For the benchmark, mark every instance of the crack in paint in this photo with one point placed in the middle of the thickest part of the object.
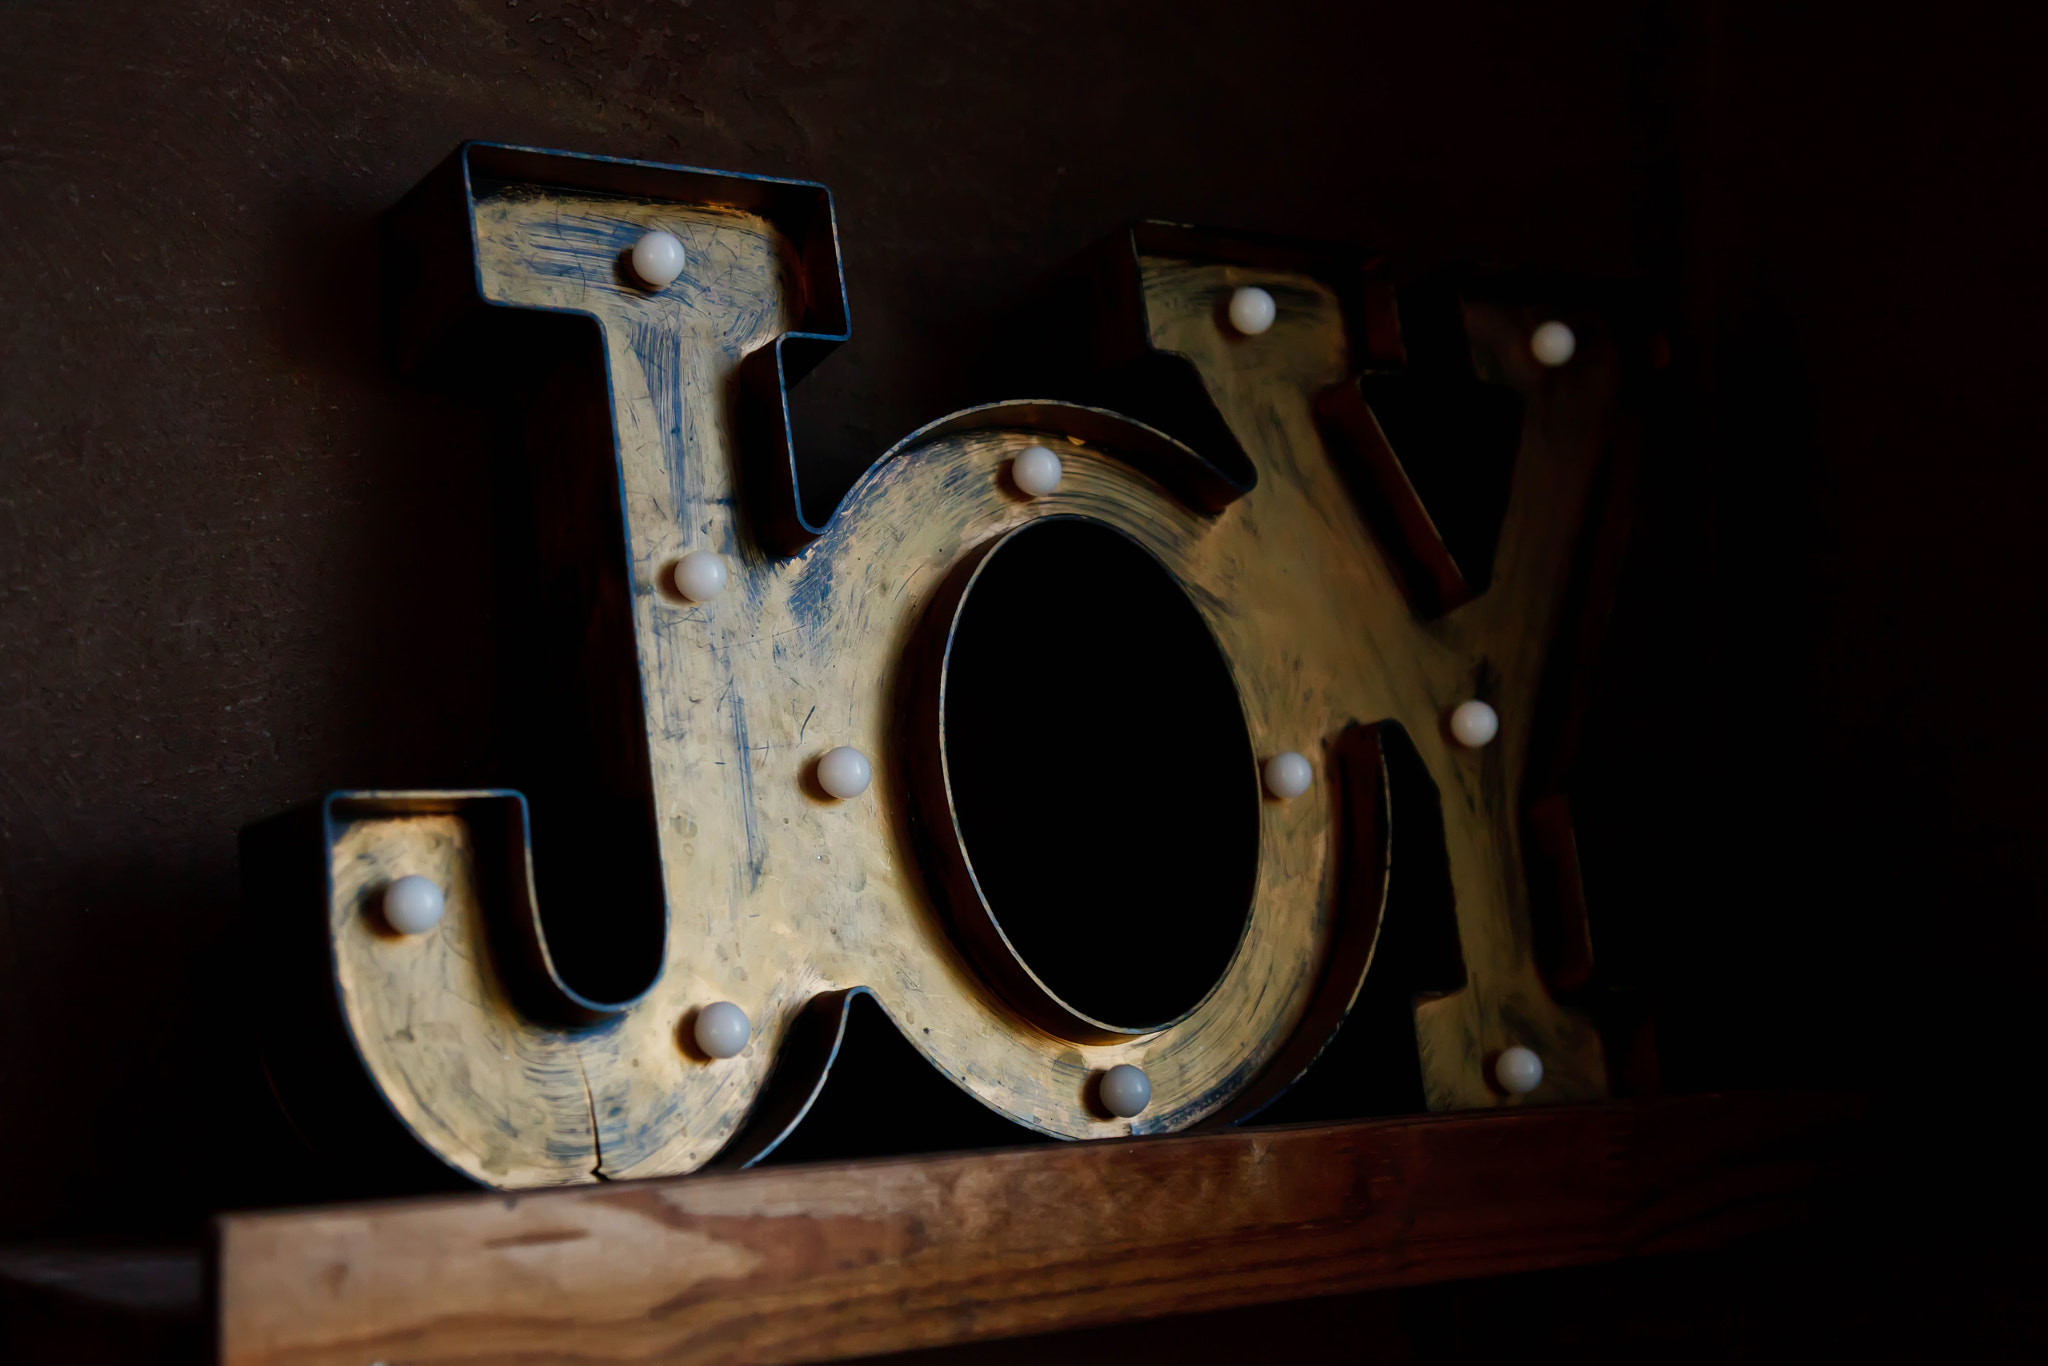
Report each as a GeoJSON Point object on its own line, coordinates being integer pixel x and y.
{"type": "Point", "coordinates": [590, 1100]}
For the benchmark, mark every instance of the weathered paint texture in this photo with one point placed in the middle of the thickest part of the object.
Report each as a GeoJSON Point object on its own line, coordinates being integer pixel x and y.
{"type": "Point", "coordinates": [776, 894]}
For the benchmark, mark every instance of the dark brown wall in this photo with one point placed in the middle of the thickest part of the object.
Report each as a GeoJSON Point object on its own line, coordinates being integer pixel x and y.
{"type": "Point", "coordinates": [241, 564]}
{"type": "Point", "coordinates": [244, 564]}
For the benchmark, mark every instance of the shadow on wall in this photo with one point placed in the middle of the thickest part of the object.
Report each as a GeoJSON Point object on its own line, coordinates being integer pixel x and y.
{"type": "Point", "coordinates": [134, 1060]}
{"type": "Point", "coordinates": [357, 600]}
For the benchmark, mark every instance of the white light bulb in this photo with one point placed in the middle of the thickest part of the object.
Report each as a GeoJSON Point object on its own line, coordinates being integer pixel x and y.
{"type": "Point", "coordinates": [701, 575]}
{"type": "Point", "coordinates": [1288, 775]}
{"type": "Point", "coordinates": [1252, 310]}
{"type": "Point", "coordinates": [413, 904]}
{"type": "Point", "coordinates": [658, 258]}
{"type": "Point", "coordinates": [845, 772]}
{"type": "Point", "coordinates": [1474, 724]}
{"type": "Point", "coordinates": [722, 1029]}
{"type": "Point", "coordinates": [1125, 1090]}
{"type": "Point", "coordinates": [1036, 470]}
{"type": "Point", "coordinates": [1518, 1070]}
{"type": "Point", "coordinates": [1553, 344]}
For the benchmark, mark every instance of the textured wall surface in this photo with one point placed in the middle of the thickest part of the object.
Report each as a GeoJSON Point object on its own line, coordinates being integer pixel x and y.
{"type": "Point", "coordinates": [244, 564]}
{"type": "Point", "coordinates": [240, 563]}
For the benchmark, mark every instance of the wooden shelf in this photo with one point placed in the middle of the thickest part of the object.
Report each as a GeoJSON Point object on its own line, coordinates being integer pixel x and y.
{"type": "Point", "coordinates": [812, 1263]}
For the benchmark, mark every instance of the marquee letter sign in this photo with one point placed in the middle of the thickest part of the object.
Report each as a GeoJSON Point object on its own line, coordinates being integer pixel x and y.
{"type": "Point", "coordinates": [1062, 736]}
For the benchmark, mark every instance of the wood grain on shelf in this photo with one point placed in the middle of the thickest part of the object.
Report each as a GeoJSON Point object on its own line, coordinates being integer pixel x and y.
{"type": "Point", "coordinates": [812, 1263]}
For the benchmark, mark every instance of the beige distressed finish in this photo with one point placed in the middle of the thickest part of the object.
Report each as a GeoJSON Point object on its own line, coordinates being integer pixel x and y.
{"type": "Point", "coordinates": [776, 894]}
{"type": "Point", "coordinates": [1414, 671]}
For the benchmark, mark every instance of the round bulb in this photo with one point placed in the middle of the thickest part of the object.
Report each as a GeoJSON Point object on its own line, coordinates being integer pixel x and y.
{"type": "Point", "coordinates": [1553, 343]}
{"type": "Point", "coordinates": [1125, 1090]}
{"type": "Point", "coordinates": [413, 904]}
{"type": "Point", "coordinates": [1252, 310]}
{"type": "Point", "coordinates": [1474, 724]}
{"type": "Point", "coordinates": [722, 1029]}
{"type": "Point", "coordinates": [1518, 1070]}
{"type": "Point", "coordinates": [1288, 775]}
{"type": "Point", "coordinates": [1036, 470]}
{"type": "Point", "coordinates": [845, 772]}
{"type": "Point", "coordinates": [701, 575]}
{"type": "Point", "coordinates": [658, 258]}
